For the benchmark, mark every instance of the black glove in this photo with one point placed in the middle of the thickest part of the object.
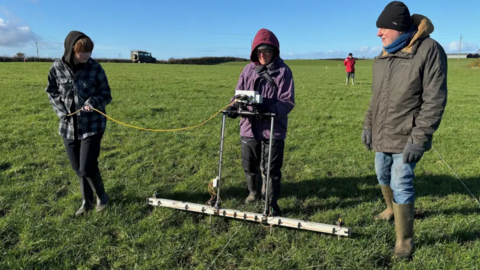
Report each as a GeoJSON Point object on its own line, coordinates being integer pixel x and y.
{"type": "Point", "coordinates": [264, 113]}
{"type": "Point", "coordinates": [261, 115]}
{"type": "Point", "coordinates": [367, 138]}
{"type": "Point", "coordinates": [232, 112]}
{"type": "Point", "coordinates": [412, 153]}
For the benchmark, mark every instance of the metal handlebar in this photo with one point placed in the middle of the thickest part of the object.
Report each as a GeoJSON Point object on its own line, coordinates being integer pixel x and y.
{"type": "Point", "coordinates": [251, 113]}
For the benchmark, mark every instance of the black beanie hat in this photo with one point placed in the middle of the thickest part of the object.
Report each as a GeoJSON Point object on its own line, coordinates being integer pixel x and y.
{"type": "Point", "coordinates": [395, 16]}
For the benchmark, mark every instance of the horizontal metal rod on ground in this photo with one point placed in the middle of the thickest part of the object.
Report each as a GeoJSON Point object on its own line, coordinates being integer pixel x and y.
{"type": "Point", "coordinates": [255, 217]}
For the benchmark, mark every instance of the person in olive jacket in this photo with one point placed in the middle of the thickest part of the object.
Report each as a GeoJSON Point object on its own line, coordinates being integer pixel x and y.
{"type": "Point", "coordinates": [409, 94]}
{"type": "Point", "coordinates": [78, 82]}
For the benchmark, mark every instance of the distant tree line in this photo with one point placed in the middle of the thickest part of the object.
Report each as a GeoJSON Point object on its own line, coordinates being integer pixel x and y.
{"type": "Point", "coordinates": [204, 60]}
{"type": "Point", "coordinates": [20, 57]}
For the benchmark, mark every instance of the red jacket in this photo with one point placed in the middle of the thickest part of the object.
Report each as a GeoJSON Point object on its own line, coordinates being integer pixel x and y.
{"type": "Point", "coordinates": [349, 64]}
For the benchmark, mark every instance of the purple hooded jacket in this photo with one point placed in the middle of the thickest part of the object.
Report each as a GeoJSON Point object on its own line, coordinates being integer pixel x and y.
{"type": "Point", "coordinates": [278, 98]}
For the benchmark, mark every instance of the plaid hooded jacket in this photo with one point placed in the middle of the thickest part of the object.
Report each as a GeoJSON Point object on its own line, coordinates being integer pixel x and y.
{"type": "Point", "coordinates": [68, 92]}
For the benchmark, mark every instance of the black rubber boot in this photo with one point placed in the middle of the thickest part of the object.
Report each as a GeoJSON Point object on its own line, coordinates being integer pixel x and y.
{"type": "Point", "coordinates": [87, 196]}
{"type": "Point", "coordinates": [273, 195]}
{"type": "Point", "coordinates": [276, 211]}
{"type": "Point", "coordinates": [252, 188]}
{"type": "Point", "coordinates": [96, 183]}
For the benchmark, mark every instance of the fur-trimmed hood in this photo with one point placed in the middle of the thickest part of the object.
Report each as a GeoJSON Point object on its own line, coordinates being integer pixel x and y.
{"type": "Point", "coordinates": [425, 28]}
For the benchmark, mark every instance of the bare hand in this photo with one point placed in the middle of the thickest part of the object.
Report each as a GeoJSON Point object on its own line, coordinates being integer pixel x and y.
{"type": "Point", "coordinates": [87, 108]}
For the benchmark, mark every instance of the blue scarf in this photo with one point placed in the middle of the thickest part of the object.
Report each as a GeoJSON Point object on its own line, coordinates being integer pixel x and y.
{"type": "Point", "coordinates": [401, 41]}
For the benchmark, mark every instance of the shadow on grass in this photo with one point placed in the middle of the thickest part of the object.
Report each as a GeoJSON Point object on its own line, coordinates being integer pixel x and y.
{"type": "Point", "coordinates": [449, 212]}
{"type": "Point", "coordinates": [5, 166]}
{"type": "Point", "coordinates": [355, 191]}
{"type": "Point", "coordinates": [443, 185]}
{"type": "Point", "coordinates": [359, 190]}
{"type": "Point", "coordinates": [346, 193]}
{"type": "Point", "coordinates": [9, 238]}
{"type": "Point", "coordinates": [4, 211]}
{"type": "Point", "coordinates": [462, 236]}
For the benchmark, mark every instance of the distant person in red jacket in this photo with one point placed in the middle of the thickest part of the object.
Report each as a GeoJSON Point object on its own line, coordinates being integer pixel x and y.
{"type": "Point", "coordinates": [350, 68]}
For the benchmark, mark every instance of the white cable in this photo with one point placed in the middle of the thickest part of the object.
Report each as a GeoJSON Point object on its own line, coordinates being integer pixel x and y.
{"type": "Point", "coordinates": [225, 246]}
{"type": "Point", "coordinates": [456, 175]}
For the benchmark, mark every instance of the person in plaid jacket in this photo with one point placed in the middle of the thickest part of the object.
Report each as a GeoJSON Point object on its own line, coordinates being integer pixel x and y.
{"type": "Point", "coordinates": [77, 82]}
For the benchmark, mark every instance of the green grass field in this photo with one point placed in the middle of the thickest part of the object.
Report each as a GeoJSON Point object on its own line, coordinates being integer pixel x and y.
{"type": "Point", "coordinates": [328, 175]}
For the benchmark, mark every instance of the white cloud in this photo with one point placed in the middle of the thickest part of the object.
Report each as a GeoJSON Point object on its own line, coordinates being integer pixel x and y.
{"type": "Point", "coordinates": [375, 50]}
{"type": "Point", "coordinates": [364, 49]}
{"type": "Point", "coordinates": [14, 32]}
{"type": "Point", "coordinates": [466, 47]}
{"type": "Point", "coordinates": [24, 28]}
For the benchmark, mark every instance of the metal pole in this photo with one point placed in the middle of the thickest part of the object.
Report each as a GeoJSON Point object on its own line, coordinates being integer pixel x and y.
{"type": "Point", "coordinates": [38, 56]}
{"type": "Point", "coordinates": [222, 136]}
{"type": "Point", "coordinates": [459, 48]}
{"type": "Point", "coordinates": [267, 186]}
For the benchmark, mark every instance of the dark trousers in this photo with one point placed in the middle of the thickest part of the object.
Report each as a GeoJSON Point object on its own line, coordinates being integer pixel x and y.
{"type": "Point", "coordinates": [83, 156]}
{"type": "Point", "coordinates": [255, 162]}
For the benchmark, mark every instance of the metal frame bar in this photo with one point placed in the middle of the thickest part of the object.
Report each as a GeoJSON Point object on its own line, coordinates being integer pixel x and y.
{"type": "Point", "coordinates": [269, 181]}
{"type": "Point", "coordinates": [222, 139]}
{"type": "Point", "coordinates": [250, 216]}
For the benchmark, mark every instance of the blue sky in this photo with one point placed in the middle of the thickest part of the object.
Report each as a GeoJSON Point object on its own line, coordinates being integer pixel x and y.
{"type": "Point", "coordinates": [180, 29]}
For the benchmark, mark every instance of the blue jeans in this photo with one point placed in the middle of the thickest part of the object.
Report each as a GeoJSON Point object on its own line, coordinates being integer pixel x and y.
{"type": "Point", "coordinates": [391, 171]}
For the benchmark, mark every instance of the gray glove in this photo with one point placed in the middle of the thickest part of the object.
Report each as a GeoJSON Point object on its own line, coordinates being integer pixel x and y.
{"type": "Point", "coordinates": [412, 153]}
{"type": "Point", "coordinates": [367, 138]}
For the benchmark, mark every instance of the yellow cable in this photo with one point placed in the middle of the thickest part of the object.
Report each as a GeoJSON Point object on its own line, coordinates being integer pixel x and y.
{"type": "Point", "coordinates": [159, 130]}
{"type": "Point", "coordinates": [210, 188]}
{"type": "Point", "coordinates": [211, 191]}
{"type": "Point", "coordinates": [74, 113]}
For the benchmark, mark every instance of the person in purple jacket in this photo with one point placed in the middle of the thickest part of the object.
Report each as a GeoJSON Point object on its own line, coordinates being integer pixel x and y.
{"type": "Point", "coordinates": [273, 79]}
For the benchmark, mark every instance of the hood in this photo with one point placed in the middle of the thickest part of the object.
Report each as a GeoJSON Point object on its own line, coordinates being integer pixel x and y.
{"type": "Point", "coordinates": [265, 36]}
{"type": "Point", "coordinates": [425, 28]}
{"type": "Point", "coordinates": [70, 40]}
